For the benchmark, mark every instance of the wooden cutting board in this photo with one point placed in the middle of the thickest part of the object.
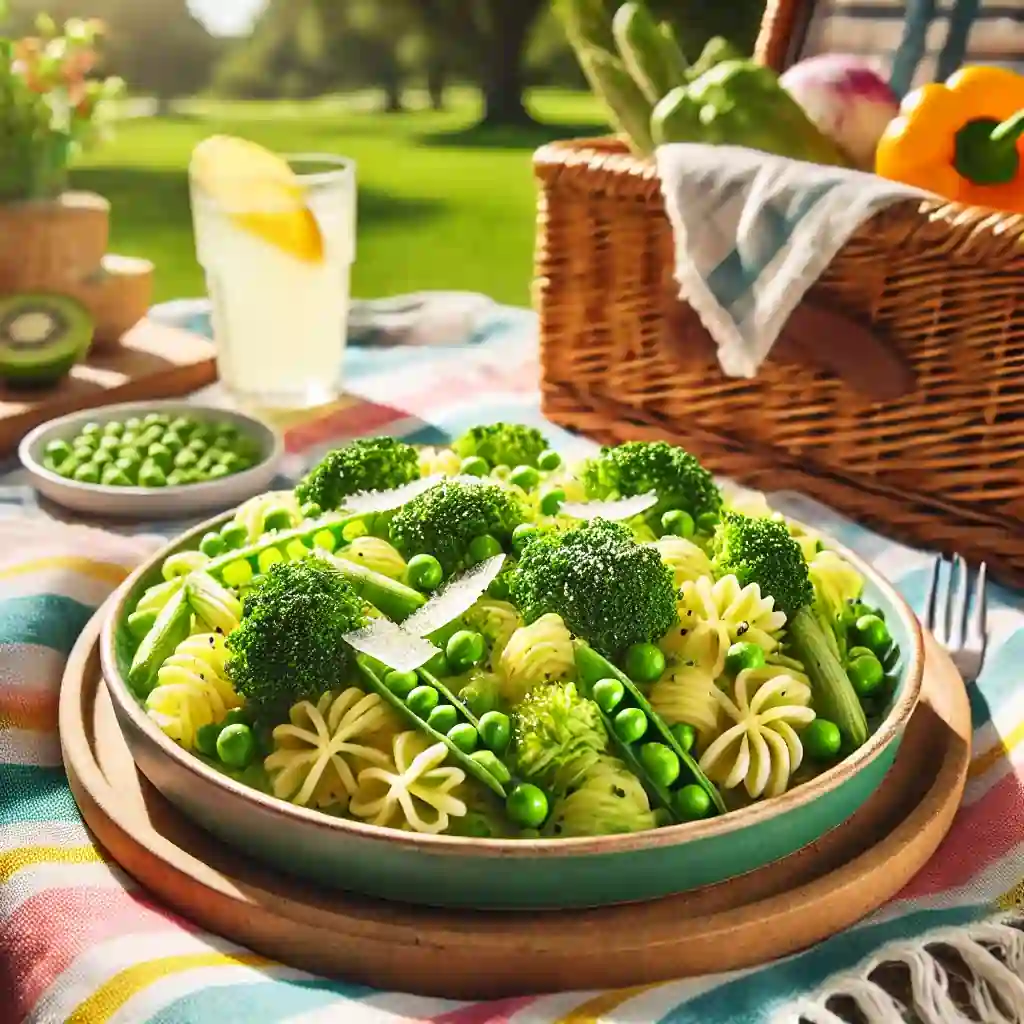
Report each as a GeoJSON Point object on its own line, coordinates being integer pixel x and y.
{"type": "Point", "coordinates": [768, 913]}
{"type": "Point", "coordinates": [152, 361]}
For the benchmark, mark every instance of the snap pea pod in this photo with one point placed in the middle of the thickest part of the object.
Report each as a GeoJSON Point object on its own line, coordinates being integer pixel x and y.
{"type": "Point", "coordinates": [171, 627]}
{"type": "Point", "coordinates": [396, 600]}
{"type": "Point", "coordinates": [467, 762]}
{"type": "Point", "coordinates": [592, 668]}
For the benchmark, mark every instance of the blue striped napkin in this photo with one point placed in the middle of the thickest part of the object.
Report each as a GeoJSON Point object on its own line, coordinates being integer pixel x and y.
{"type": "Point", "coordinates": [753, 232]}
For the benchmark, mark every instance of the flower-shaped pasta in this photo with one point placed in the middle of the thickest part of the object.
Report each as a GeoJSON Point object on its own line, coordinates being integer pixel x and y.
{"type": "Point", "coordinates": [688, 693]}
{"type": "Point", "coordinates": [439, 460]}
{"type": "Point", "coordinates": [404, 791]}
{"type": "Point", "coordinates": [192, 688]}
{"type": "Point", "coordinates": [687, 561]}
{"type": "Point", "coordinates": [541, 652]}
{"type": "Point", "coordinates": [761, 749]}
{"type": "Point", "coordinates": [714, 615]}
{"type": "Point", "coordinates": [376, 554]}
{"type": "Point", "coordinates": [312, 752]}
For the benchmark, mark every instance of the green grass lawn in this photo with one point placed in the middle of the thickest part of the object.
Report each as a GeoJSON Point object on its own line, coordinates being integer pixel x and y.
{"type": "Point", "coordinates": [441, 205]}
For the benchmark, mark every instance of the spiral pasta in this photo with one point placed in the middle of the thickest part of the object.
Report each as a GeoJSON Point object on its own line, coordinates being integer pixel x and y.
{"type": "Point", "coordinates": [182, 563]}
{"type": "Point", "coordinates": [439, 460]}
{"type": "Point", "coordinates": [714, 615]}
{"type": "Point", "coordinates": [835, 581]}
{"type": "Point", "coordinates": [314, 752]}
{"type": "Point", "coordinates": [376, 554]}
{"type": "Point", "coordinates": [497, 621]}
{"type": "Point", "coordinates": [687, 561]}
{"type": "Point", "coordinates": [413, 790]}
{"type": "Point", "coordinates": [688, 693]}
{"type": "Point", "coordinates": [609, 800]}
{"type": "Point", "coordinates": [252, 513]}
{"type": "Point", "coordinates": [760, 749]}
{"type": "Point", "coordinates": [539, 653]}
{"type": "Point", "coordinates": [192, 688]}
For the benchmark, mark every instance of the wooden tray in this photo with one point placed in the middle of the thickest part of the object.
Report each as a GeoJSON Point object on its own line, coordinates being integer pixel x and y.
{"type": "Point", "coordinates": [771, 912]}
{"type": "Point", "coordinates": [152, 361]}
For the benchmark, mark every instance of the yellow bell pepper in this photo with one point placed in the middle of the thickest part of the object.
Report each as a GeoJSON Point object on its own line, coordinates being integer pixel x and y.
{"type": "Point", "coordinates": [963, 140]}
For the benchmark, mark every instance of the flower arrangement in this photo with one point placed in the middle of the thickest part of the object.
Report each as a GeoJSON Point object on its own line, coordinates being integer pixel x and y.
{"type": "Point", "coordinates": [50, 105]}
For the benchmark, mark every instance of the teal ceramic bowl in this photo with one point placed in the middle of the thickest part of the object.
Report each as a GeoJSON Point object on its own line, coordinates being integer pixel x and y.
{"type": "Point", "coordinates": [451, 871]}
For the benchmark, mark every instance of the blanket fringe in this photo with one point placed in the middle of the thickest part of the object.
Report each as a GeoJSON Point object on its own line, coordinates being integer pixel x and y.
{"type": "Point", "coordinates": [970, 975]}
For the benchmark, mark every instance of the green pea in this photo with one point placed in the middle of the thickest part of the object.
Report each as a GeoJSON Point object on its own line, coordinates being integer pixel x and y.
{"type": "Point", "coordinates": [608, 694]}
{"type": "Point", "coordinates": [464, 650]}
{"type": "Point", "coordinates": [182, 426]}
{"type": "Point", "coordinates": [128, 439]}
{"type": "Point", "coordinates": [69, 466]}
{"type": "Point", "coordinates": [549, 460]}
{"type": "Point", "coordinates": [278, 517]}
{"type": "Point", "coordinates": [109, 443]}
{"type": "Point", "coordinates": [206, 738]}
{"type": "Point", "coordinates": [296, 550]}
{"type": "Point", "coordinates": [401, 684]}
{"type": "Point", "coordinates": [527, 805]}
{"type": "Point", "coordinates": [212, 544]}
{"type": "Point", "coordinates": [525, 476]}
{"type": "Point", "coordinates": [661, 763]}
{"type": "Point", "coordinates": [151, 475]}
{"type": "Point", "coordinates": [237, 574]}
{"type": "Point", "coordinates": [866, 674]}
{"type": "Point", "coordinates": [218, 472]}
{"type": "Point", "coordinates": [58, 450]}
{"type": "Point", "coordinates": [522, 535]}
{"type": "Point", "coordinates": [91, 430]}
{"type": "Point", "coordinates": [424, 572]}
{"type": "Point", "coordinates": [354, 530]}
{"type": "Point", "coordinates": [443, 718]}
{"type": "Point", "coordinates": [551, 501]}
{"type": "Point", "coordinates": [498, 588]}
{"type": "Point", "coordinates": [129, 468]}
{"type": "Point", "coordinates": [185, 459]}
{"type": "Point", "coordinates": [495, 731]}
{"type": "Point", "coordinates": [234, 535]}
{"type": "Point", "coordinates": [114, 477]}
{"type": "Point", "coordinates": [707, 522]}
{"type": "Point", "coordinates": [232, 463]}
{"type": "Point", "coordinates": [858, 652]}
{"type": "Point", "coordinates": [87, 442]}
{"type": "Point", "coordinates": [113, 428]}
{"type": "Point", "coordinates": [873, 633]}
{"type": "Point", "coordinates": [678, 523]}
{"type": "Point", "coordinates": [742, 656]}
{"type": "Point", "coordinates": [438, 666]}
{"type": "Point", "coordinates": [474, 466]}
{"type": "Point", "coordinates": [311, 510]}
{"type": "Point", "coordinates": [132, 455]}
{"type": "Point", "coordinates": [630, 724]}
{"type": "Point", "coordinates": [422, 700]}
{"type": "Point", "coordinates": [161, 455]}
{"type": "Point", "coordinates": [822, 740]}
{"type": "Point", "coordinates": [644, 663]}
{"type": "Point", "coordinates": [483, 547]}
{"type": "Point", "coordinates": [464, 736]}
{"type": "Point", "coordinates": [155, 419]}
{"type": "Point", "coordinates": [489, 761]}
{"type": "Point", "coordinates": [685, 735]}
{"type": "Point", "coordinates": [87, 474]}
{"type": "Point", "coordinates": [102, 458]}
{"type": "Point", "coordinates": [501, 472]}
{"type": "Point", "coordinates": [132, 424]}
{"type": "Point", "coordinates": [692, 803]}
{"type": "Point", "coordinates": [172, 442]}
{"type": "Point", "coordinates": [197, 445]}
{"type": "Point", "coordinates": [236, 745]}
{"type": "Point", "coordinates": [324, 540]}
{"type": "Point", "coordinates": [227, 433]}
{"type": "Point", "coordinates": [267, 558]}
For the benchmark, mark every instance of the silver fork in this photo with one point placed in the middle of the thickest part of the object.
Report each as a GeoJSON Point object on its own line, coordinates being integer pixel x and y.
{"type": "Point", "coordinates": [957, 620]}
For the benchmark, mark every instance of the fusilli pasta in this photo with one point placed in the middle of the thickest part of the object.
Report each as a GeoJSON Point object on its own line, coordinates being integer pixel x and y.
{"type": "Point", "coordinates": [688, 693]}
{"type": "Point", "coordinates": [835, 581]}
{"type": "Point", "coordinates": [687, 561]}
{"type": "Point", "coordinates": [313, 752]}
{"type": "Point", "coordinates": [182, 563]}
{"type": "Point", "coordinates": [497, 621]}
{"type": "Point", "coordinates": [609, 800]}
{"type": "Point", "coordinates": [714, 615]}
{"type": "Point", "coordinates": [414, 783]}
{"type": "Point", "coordinates": [439, 460]}
{"type": "Point", "coordinates": [761, 748]}
{"type": "Point", "coordinates": [376, 554]}
{"type": "Point", "coordinates": [539, 653]}
{"type": "Point", "coordinates": [192, 688]}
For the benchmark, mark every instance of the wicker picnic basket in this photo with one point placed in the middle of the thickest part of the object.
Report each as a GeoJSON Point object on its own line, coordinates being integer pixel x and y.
{"type": "Point", "coordinates": [936, 459]}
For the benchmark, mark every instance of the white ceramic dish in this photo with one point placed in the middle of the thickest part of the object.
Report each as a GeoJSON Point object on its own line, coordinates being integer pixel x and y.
{"type": "Point", "coordinates": [150, 502]}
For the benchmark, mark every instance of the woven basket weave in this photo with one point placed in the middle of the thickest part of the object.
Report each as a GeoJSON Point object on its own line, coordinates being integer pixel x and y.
{"type": "Point", "coordinates": [941, 466]}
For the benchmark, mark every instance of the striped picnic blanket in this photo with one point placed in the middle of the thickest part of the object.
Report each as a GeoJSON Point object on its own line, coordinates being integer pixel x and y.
{"type": "Point", "coordinates": [81, 942]}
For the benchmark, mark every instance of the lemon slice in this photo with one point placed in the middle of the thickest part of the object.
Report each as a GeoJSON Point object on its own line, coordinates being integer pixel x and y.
{"type": "Point", "coordinates": [259, 192]}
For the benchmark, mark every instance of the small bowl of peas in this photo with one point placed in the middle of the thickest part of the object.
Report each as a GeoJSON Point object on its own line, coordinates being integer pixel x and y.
{"type": "Point", "coordinates": [151, 460]}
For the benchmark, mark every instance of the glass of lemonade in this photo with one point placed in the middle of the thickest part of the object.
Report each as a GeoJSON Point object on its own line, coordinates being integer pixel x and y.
{"type": "Point", "coordinates": [276, 237]}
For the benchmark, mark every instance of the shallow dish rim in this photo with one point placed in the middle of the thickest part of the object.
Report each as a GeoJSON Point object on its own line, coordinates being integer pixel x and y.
{"type": "Point", "coordinates": [668, 835]}
{"type": "Point", "coordinates": [271, 444]}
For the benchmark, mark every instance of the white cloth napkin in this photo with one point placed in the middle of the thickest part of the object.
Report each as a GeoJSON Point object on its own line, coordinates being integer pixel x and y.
{"type": "Point", "coordinates": [753, 232]}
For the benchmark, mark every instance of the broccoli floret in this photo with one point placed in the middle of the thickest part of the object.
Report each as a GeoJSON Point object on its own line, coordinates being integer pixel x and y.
{"type": "Point", "coordinates": [444, 520]}
{"type": "Point", "coordinates": [503, 444]}
{"type": "Point", "coordinates": [609, 590]}
{"type": "Point", "coordinates": [289, 645]}
{"type": "Point", "coordinates": [762, 551]}
{"type": "Point", "coordinates": [368, 464]}
{"type": "Point", "coordinates": [558, 734]}
{"type": "Point", "coordinates": [639, 467]}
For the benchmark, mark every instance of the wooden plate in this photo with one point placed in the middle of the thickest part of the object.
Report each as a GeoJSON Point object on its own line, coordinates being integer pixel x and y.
{"type": "Point", "coordinates": [471, 955]}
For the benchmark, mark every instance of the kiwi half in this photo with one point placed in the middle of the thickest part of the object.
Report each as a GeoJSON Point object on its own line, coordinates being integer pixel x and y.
{"type": "Point", "coordinates": [41, 337]}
